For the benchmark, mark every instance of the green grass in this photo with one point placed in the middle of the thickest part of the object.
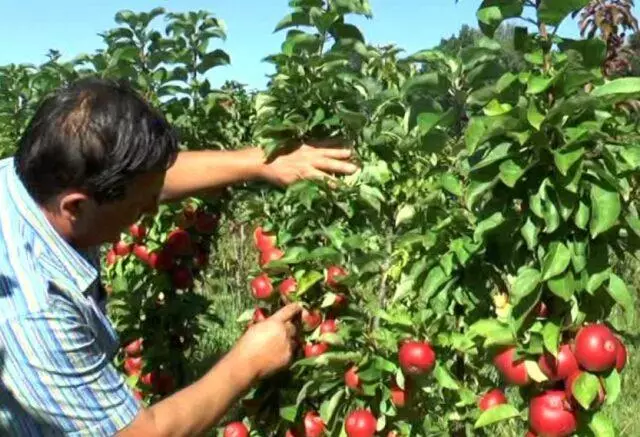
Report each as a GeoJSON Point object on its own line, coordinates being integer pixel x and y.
{"type": "Point", "coordinates": [231, 298]}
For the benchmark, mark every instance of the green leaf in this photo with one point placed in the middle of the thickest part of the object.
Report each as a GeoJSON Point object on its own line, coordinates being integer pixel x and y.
{"type": "Point", "coordinates": [556, 261]}
{"type": "Point", "coordinates": [495, 108]}
{"type": "Point", "coordinates": [585, 389]}
{"type": "Point", "coordinates": [493, 12]}
{"type": "Point", "coordinates": [495, 154]}
{"type": "Point", "coordinates": [213, 59]}
{"type": "Point", "coordinates": [605, 209]}
{"type": "Point", "coordinates": [596, 280]}
{"type": "Point", "coordinates": [474, 133]}
{"type": "Point", "coordinates": [612, 387]}
{"type": "Point", "coordinates": [620, 293]}
{"type": "Point", "coordinates": [496, 414]}
{"type": "Point", "coordinates": [434, 280]}
{"type": "Point", "coordinates": [601, 425]}
{"type": "Point", "coordinates": [289, 413]}
{"type": "Point", "coordinates": [625, 85]}
{"type": "Point", "coordinates": [476, 189]}
{"type": "Point", "coordinates": [444, 378]}
{"type": "Point", "coordinates": [487, 224]}
{"type": "Point", "coordinates": [551, 337]}
{"type": "Point", "coordinates": [534, 116]}
{"type": "Point", "coordinates": [328, 407]}
{"type": "Point", "coordinates": [526, 283]}
{"type": "Point", "coordinates": [539, 84]}
{"type": "Point", "coordinates": [404, 214]}
{"type": "Point", "coordinates": [510, 172]}
{"type": "Point", "coordinates": [292, 20]}
{"type": "Point", "coordinates": [452, 184]}
{"type": "Point", "coordinates": [553, 12]}
{"type": "Point", "coordinates": [373, 196]}
{"type": "Point", "coordinates": [530, 233]}
{"type": "Point", "coordinates": [565, 159]}
{"type": "Point", "coordinates": [563, 286]}
{"type": "Point", "coordinates": [581, 217]}
{"type": "Point", "coordinates": [307, 281]}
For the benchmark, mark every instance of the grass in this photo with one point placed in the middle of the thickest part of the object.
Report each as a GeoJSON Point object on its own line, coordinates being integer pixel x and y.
{"type": "Point", "coordinates": [230, 299]}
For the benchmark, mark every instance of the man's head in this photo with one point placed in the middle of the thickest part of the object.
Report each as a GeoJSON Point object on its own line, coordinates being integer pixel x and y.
{"type": "Point", "coordinates": [94, 158]}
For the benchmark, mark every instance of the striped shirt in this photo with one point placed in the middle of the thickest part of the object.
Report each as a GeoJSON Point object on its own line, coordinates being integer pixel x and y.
{"type": "Point", "coordinates": [56, 344]}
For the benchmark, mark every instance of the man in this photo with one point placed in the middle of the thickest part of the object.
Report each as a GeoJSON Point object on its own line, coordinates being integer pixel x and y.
{"type": "Point", "coordinates": [94, 158]}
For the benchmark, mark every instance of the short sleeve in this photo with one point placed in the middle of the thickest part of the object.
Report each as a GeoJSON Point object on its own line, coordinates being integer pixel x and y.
{"type": "Point", "coordinates": [58, 379]}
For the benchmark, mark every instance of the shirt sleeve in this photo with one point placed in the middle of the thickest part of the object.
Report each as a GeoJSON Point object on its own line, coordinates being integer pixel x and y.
{"type": "Point", "coordinates": [59, 378]}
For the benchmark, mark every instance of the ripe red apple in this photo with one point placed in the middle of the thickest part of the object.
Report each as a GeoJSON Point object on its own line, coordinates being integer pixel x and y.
{"type": "Point", "coordinates": [313, 425]}
{"type": "Point", "coordinates": [621, 356]}
{"type": "Point", "coordinates": [236, 429]}
{"type": "Point", "coordinates": [571, 381]}
{"type": "Point", "coordinates": [333, 275]}
{"type": "Point", "coordinates": [133, 365]}
{"type": "Point", "coordinates": [513, 372]}
{"type": "Point", "coordinates": [311, 319]}
{"type": "Point", "coordinates": [562, 367]}
{"type": "Point", "coordinates": [182, 278]}
{"type": "Point", "coordinates": [259, 315]}
{"type": "Point", "coordinates": [530, 434]}
{"type": "Point", "coordinates": [141, 252]}
{"type": "Point", "coordinates": [206, 223]}
{"type": "Point", "coordinates": [351, 379]}
{"type": "Point", "coordinates": [134, 349]}
{"type": "Point", "coordinates": [315, 349]}
{"type": "Point", "coordinates": [551, 415]}
{"type": "Point", "coordinates": [416, 357]}
{"type": "Point", "coordinates": [288, 286]}
{"type": "Point", "coordinates": [398, 395]}
{"type": "Point", "coordinates": [340, 301]}
{"type": "Point", "coordinates": [138, 231]}
{"type": "Point", "coordinates": [179, 242]}
{"type": "Point", "coordinates": [263, 240]}
{"type": "Point", "coordinates": [261, 287]}
{"type": "Point", "coordinates": [491, 399]}
{"type": "Point", "coordinates": [596, 348]}
{"type": "Point", "coordinates": [138, 395]}
{"type": "Point", "coordinates": [112, 257]}
{"type": "Point", "coordinates": [122, 248]}
{"type": "Point", "coordinates": [161, 260]}
{"type": "Point", "coordinates": [329, 326]}
{"type": "Point", "coordinates": [361, 423]}
{"type": "Point", "coordinates": [269, 255]}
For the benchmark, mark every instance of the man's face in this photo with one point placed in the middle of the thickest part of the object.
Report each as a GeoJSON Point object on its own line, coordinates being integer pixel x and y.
{"type": "Point", "coordinates": [98, 224]}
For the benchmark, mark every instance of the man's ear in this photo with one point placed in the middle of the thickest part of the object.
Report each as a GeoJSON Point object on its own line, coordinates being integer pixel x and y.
{"type": "Point", "coordinates": [73, 205]}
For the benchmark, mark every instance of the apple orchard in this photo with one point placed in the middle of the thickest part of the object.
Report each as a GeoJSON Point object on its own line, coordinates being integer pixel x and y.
{"type": "Point", "coordinates": [461, 283]}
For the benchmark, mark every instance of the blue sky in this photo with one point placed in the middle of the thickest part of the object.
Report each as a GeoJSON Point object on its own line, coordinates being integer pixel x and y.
{"type": "Point", "coordinates": [28, 28]}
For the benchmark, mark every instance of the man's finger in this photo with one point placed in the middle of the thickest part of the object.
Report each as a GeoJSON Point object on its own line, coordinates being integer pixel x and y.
{"type": "Point", "coordinates": [291, 329]}
{"type": "Point", "coordinates": [287, 313]}
{"type": "Point", "coordinates": [342, 153]}
{"type": "Point", "coordinates": [335, 166]}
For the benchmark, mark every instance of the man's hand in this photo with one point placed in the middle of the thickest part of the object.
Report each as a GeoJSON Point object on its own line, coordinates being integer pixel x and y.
{"type": "Point", "coordinates": [317, 161]}
{"type": "Point", "coordinates": [268, 346]}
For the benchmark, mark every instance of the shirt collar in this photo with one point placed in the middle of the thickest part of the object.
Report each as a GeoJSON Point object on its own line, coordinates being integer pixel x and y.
{"type": "Point", "coordinates": [64, 259]}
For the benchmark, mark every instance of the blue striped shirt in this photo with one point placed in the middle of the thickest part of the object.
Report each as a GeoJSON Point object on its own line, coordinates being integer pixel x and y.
{"type": "Point", "coordinates": [56, 344]}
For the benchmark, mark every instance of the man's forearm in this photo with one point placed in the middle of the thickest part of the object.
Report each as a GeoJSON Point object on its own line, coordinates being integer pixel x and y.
{"type": "Point", "coordinates": [200, 406]}
{"type": "Point", "coordinates": [197, 171]}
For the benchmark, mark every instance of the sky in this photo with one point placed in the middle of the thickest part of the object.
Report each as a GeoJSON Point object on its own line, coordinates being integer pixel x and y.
{"type": "Point", "coordinates": [29, 28]}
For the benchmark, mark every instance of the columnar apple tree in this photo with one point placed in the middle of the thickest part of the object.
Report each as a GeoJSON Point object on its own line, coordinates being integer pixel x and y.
{"type": "Point", "coordinates": [463, 277]}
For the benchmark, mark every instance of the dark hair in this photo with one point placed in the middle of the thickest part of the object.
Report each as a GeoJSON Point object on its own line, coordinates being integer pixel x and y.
{"type": "Point", "coordinates": [94, 135]}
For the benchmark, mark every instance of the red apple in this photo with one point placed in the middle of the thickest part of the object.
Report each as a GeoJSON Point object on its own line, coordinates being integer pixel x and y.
{"type": "Point", "coordinates": [596, 348]}
{"type": "Point", "coordinates": [134, 349]}
{"type": "Point", "coordinates": [112, 257]}
{"type": "Point", "coordinates": [182, 278]}
{"type": "Point", "coordinates": [311, 319]}
{"type": "Point", "coordinates": [179, 242]}
{"type": "Point", "coordinates": [263, 240]}
{"type": "Point", "coordinates": [329, 326]}
{"type": "Point", "coordinates": [313, 425]}
{"type": "Point", "coordinates": [398, 395]}
{"type": "Point", "coordinates": [551, 415]}
{"type": "Point", "coordinates": [560, 368]}
{"type": "Point", "coordinates": [333, 275]}
{"type": "Point", "coordinates": [514, 372]}
{"type": "Point", "coordinates": [621, 356]}
{"type": "Point", "coordinates": [269, 255]}
{"type": "Point", "coordinates": [122, 248]}
{"type": "Point", "coordinates": [361, 423]}
{"type": "Point", "coordinates": [161, 260]}
{"type": "Point", "coordinates": [491, 399]}
{"type": "Point", "coordinates": [236, 429]}
{"type": "Point", "coordinates": [261, 287]}
{"type": "Point", "coordinates": [315, 349]}
{"type": "Point", "coordinates": [351, 379]}
{"type": "Point", "coordinates": [416, 357]}
{"type": "Point", "coordinates": [138, 231]}
{"type": "Point", "coordinates": [141, 252]}
{"type": "Point", "coordinates": [288, 286]}
{"type": "Point", "coordinates": [133, 365]}
{"type": "Point", "coordinates": [259, 315]}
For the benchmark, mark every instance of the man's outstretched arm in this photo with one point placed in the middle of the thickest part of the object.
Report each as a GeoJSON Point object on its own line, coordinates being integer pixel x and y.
{"type": "Point", "coordinates": [197, 172]}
